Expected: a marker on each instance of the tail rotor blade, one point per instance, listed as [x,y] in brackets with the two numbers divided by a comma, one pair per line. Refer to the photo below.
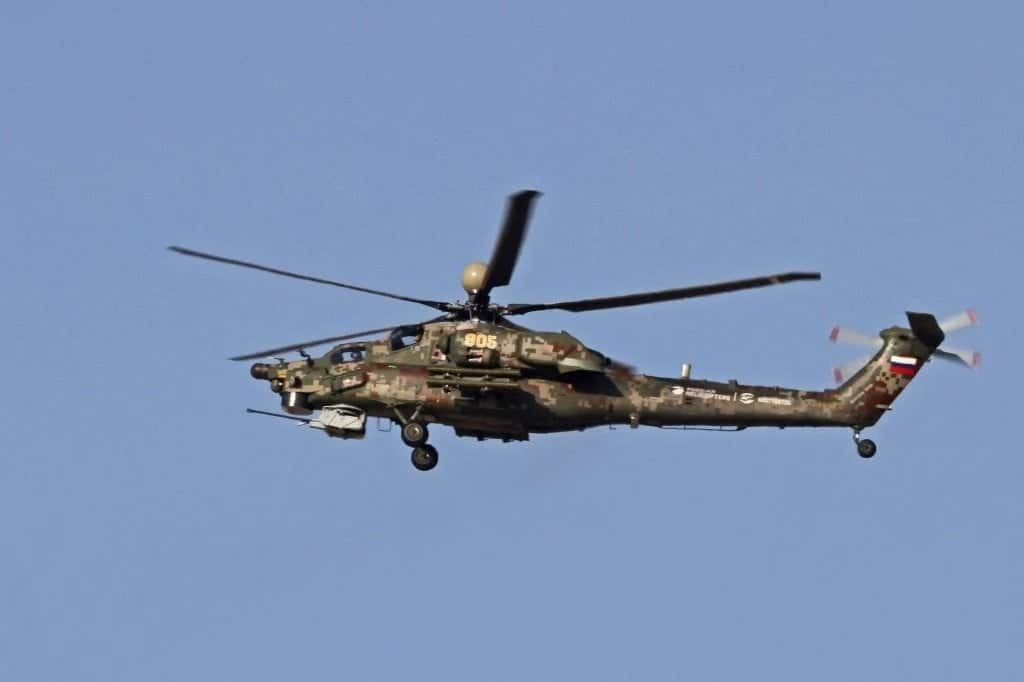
[967,358]
[844,335]
[844,372]
[967,318]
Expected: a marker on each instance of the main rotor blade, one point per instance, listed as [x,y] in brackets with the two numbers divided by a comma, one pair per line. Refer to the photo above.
[311,344]
[586,304]
[967,318]
[510,240]
[967,358]
[440,305]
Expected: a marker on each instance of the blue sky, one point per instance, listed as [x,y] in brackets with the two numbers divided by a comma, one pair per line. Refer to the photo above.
[152,530]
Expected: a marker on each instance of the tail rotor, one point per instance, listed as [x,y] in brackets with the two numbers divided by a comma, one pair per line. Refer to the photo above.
[964,357]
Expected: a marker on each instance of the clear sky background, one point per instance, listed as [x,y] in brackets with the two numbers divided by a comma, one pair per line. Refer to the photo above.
[151,530]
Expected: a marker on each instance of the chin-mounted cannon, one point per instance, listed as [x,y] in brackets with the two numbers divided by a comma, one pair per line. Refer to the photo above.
[293,401]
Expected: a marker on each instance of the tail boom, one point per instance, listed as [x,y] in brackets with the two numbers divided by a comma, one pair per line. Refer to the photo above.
[859,402]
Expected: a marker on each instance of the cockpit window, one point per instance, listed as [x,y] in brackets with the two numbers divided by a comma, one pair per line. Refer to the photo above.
[347,355]
[405,336]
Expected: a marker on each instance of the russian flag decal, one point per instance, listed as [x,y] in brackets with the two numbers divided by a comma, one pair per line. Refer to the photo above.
[900,364]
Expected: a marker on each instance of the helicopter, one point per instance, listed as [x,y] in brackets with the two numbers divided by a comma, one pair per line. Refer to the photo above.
[473,369]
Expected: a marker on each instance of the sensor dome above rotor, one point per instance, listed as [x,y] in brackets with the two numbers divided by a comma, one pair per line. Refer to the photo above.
[473,277]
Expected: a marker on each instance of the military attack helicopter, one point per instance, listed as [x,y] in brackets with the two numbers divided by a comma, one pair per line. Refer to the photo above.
[473,369]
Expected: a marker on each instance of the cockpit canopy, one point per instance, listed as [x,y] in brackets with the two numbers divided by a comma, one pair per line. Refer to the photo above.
[349,352]
[403,337]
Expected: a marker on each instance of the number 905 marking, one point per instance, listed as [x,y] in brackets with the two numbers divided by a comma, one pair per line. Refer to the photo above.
[472,340]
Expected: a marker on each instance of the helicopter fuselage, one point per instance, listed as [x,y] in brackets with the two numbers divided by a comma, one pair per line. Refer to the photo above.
[491,381]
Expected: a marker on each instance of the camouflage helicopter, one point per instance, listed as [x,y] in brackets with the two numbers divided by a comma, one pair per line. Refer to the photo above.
[473,369]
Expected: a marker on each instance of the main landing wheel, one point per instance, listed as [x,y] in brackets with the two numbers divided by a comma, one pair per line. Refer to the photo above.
[424,457]
[866,448]
[414,434]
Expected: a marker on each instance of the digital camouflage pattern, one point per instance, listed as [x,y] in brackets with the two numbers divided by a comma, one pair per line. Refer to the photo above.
[492,381]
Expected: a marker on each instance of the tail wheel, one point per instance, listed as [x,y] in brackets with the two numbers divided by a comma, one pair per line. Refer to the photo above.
[866,448]
[424,457]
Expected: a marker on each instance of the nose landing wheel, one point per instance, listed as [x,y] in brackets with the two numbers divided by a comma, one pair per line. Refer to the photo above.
[414,434]
[424,457]
[866,447]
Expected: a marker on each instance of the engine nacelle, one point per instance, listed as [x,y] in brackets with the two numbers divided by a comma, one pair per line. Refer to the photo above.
[562,351]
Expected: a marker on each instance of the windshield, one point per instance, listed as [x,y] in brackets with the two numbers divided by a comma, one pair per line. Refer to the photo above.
[405,336]
[344,355]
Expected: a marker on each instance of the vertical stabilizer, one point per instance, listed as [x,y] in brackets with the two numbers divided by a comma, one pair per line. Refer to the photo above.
[870,392]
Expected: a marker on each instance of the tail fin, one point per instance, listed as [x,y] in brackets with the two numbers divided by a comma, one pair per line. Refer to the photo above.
[926,328]
[870,392]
